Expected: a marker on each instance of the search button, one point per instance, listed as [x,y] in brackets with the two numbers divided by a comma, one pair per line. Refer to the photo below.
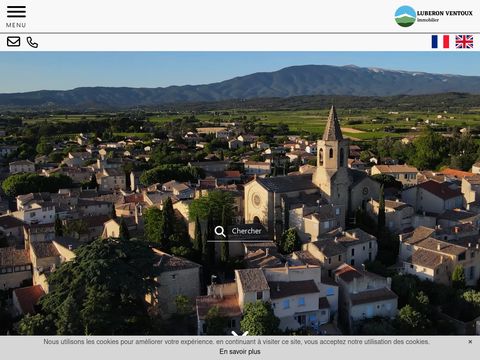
[219,231]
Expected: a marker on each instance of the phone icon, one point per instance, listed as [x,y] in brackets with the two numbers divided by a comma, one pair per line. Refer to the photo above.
[31,42]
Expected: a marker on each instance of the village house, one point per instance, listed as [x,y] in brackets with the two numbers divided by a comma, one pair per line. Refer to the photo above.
[313,221]
[12,228]
[257,168]
[471,191]
[354,247]
[21,166]
[364,295]
[7,150]
[111,179]
[297,294]
[35,208]
[398,215]
[15,267]
[433,197]
[178,276]
[25,299]
[406,174]
[429,258]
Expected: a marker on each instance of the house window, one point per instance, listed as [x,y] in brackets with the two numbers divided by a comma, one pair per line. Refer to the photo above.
[330,291]
[471,272]
[259,295]
[301,301]
[337,211]
[323,312]
[330,153]
[352,262]
[342,156]
[232,323]
[286,304]
[320,157]
[329,260]
[353,252]
[370,245]
[461,256]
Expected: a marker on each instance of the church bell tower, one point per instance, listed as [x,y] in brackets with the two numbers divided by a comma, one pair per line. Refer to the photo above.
[332,175]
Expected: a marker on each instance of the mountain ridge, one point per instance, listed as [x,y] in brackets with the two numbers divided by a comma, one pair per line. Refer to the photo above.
[298,80]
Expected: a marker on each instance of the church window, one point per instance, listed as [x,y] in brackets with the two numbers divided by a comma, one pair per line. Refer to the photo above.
[320,157]
[330,153]
[342,157]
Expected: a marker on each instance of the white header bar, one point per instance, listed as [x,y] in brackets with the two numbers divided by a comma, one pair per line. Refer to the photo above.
[140,16]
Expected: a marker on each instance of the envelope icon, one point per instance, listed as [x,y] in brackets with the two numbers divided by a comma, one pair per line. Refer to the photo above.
[13,41]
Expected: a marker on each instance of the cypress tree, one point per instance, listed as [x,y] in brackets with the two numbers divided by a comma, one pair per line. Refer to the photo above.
[198,240]
[381,210]
[224,250]
[58,226]
[124,233]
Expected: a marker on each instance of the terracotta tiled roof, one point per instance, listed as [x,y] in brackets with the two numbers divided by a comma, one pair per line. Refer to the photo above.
[227,306]
[371,296]
[10,256]
[440,190]
[44,249]
[28,297]
[283,289]
[252,280]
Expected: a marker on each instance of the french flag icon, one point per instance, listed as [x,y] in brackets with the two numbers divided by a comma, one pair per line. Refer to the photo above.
[445,39]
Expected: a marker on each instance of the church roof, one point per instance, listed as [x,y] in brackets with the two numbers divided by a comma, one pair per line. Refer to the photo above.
[332,130]
[287,183]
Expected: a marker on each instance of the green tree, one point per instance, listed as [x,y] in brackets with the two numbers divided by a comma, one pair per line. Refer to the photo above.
[430,150]
[214,203]
[58,226]
[92,184]
[198,239]
[458,277]
[124,233]
[259,319]
[224,250]
[102,292]
[381,210]
[412,322]
[215,323]
[290,241]
[44,148]
[36,325]
[20,184]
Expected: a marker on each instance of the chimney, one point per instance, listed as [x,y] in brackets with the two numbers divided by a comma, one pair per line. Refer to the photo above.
[478,246]
[267,252]
[456,229]
[363,267]
[469,245]
[70,247]
[355,285]
[439,247]
[278,287]
[389,283]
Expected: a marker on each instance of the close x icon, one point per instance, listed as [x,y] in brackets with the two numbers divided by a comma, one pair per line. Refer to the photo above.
[16,11]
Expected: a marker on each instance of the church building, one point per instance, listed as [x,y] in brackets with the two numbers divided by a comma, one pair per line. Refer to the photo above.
[269,200]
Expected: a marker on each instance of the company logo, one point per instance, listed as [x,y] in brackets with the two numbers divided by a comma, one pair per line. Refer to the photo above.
[405,16]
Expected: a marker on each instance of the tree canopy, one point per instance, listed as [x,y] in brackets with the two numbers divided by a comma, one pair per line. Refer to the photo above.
[167,172]
[259,319]
[215,203]
[101,292]
[20,184]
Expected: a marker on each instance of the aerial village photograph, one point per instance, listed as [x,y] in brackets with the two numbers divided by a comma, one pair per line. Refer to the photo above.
[274,193]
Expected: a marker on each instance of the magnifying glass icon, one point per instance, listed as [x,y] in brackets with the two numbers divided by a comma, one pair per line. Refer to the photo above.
[219,231]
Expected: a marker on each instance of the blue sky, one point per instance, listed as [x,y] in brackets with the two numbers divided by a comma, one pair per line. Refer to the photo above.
[66,70]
